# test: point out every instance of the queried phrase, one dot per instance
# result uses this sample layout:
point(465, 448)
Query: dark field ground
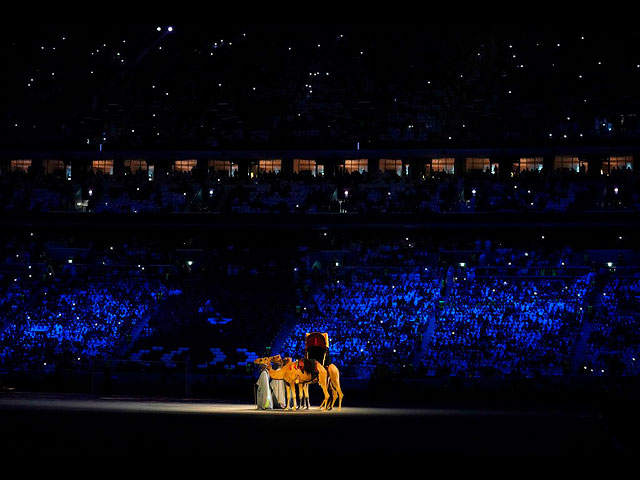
point(87, 425)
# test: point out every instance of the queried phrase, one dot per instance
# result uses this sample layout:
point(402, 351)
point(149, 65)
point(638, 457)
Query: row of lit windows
point(446, 165)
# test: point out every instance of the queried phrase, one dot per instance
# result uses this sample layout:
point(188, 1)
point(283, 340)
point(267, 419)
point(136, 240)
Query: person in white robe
point(277, 387)
point(264, 397)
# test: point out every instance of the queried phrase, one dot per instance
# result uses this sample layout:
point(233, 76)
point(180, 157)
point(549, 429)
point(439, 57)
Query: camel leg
point(291, 396)
point(322, 380)
point(340, 397)
point(306, 395)
point(288, 392)
point(299, 398)
point(301, 394)
point(333, 396)
point(334, 375)
point(295, 396)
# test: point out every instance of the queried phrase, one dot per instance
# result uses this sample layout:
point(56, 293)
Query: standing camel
point(289, 373)
point(292, 375)
point(326, 377)
point(333, 379)
point(303, 388)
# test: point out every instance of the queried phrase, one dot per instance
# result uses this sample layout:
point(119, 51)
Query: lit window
point(391, 165)
point(623, 163)
point(301, 165)
point(360, 165)
point(135, 165)
point(569, 162)
point(21, 165)
point(531, 163)
point(270, 166)
point(446, 165)
point(103, 166)
point(474, 163)
point(185, 165)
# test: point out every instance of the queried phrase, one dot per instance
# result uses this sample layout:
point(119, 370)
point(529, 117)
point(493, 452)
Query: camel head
point(276, 359)
point(262, 361)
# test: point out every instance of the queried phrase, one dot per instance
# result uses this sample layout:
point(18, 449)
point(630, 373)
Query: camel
point(303, 388)
point(289, 373)
point(292, 375)
point(334, 383)
point(333, 378)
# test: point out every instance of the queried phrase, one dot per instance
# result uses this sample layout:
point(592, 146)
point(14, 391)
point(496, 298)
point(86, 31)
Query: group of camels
point(292, 374)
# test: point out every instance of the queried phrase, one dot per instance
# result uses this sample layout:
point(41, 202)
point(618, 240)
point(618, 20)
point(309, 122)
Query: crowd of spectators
point(56, 313)
point(370, 318)
point(412, 301)
point(508, 325)
point(463, 307)
point(22, 192)
point(134, 193)
point(613, 348)
point(64, 324)
point(66, 302)
point(366, 193)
